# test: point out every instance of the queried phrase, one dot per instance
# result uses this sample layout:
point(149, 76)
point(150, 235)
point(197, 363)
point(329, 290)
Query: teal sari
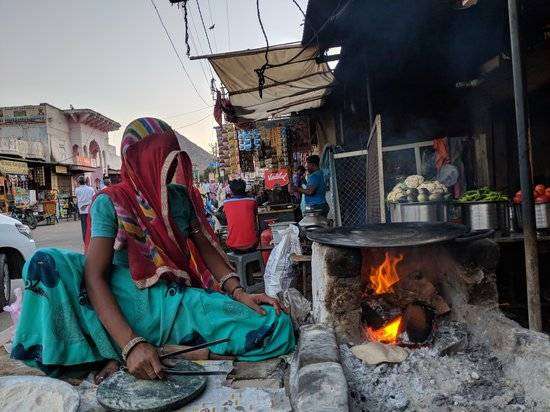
point(59, 329)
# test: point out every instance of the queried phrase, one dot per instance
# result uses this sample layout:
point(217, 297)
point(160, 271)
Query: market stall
point(14, 184)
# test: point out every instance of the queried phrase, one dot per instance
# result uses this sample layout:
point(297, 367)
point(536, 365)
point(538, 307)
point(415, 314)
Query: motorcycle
point(25, 215)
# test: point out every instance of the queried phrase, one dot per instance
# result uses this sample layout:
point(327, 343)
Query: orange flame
point(387, 334)
point(385, 276)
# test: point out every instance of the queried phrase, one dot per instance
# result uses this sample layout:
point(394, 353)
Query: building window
point(19, 113)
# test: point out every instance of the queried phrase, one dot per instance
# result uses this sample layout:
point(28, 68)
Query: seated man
point(240, 212)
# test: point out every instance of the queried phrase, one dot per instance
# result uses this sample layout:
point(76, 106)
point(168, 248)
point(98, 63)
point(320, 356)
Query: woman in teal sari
point(152, 276)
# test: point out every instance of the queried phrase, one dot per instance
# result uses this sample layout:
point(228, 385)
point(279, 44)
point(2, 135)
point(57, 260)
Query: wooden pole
point(526, 177)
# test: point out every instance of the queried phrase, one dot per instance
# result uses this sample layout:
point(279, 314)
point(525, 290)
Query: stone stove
point(464, 354)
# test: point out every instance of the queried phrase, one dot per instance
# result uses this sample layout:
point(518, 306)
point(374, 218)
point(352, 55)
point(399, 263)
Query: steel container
point(542, 216)
point(424, 212)
point(485, 216)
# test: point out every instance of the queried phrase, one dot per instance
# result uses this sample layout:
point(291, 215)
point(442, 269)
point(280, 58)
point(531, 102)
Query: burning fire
point(384, 276)
point(387, 334)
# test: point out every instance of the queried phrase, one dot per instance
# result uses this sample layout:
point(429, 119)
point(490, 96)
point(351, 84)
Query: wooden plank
point(300, 258)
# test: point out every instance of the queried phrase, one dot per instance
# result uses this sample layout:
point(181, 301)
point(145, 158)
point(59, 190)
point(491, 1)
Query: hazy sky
point(113, 55)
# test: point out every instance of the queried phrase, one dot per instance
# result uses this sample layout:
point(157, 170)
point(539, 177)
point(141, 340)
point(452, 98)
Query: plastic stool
point(241, 262)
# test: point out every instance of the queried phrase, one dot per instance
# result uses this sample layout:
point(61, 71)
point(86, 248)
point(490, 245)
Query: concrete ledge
point(322, 387)
point(317, 345)
point(317, 381)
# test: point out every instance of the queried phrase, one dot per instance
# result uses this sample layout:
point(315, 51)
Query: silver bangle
point(226, 278)
point(131, 345)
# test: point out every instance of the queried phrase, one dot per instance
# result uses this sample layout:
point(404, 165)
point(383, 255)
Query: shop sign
point(10, 167)
point(279, 177)
point(83, 161)
point(34, 114)
point(62, 170)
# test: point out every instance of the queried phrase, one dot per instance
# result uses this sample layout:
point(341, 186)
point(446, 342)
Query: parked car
point(16, 246)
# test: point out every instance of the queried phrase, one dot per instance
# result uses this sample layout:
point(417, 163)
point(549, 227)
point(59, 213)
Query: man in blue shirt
point(315, 190)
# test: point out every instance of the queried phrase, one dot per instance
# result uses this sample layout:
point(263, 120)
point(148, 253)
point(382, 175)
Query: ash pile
point(450, 375)
point(469, 356)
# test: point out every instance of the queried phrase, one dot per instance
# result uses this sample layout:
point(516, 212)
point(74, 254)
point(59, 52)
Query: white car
point(16, 246)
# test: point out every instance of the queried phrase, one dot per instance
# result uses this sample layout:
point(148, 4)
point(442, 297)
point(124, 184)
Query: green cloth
point(104, 218)
point(58, 328)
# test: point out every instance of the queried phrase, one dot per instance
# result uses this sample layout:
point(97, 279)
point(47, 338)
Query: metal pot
point(423, 212)
point(313, 220)
point(542, 216)
point(486, 215)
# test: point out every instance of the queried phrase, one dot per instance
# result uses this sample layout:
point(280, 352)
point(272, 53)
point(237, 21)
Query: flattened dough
point(34, 394)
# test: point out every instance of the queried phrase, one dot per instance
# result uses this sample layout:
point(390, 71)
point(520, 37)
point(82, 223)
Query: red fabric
point(241, 223)
point(441, 152)
point(154, 253)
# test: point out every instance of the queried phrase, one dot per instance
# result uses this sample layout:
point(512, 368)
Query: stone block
point(317, 345)
point(257, 383)
point(259, 370)
point(322, 387)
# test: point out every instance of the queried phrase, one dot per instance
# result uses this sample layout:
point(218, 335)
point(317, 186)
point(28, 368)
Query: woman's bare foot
point(109, 368)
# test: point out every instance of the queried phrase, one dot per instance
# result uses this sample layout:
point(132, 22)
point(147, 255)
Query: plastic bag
point(279, 272)
point(15, 308)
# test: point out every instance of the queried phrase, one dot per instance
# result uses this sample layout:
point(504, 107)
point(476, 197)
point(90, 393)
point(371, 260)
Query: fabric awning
point(299, 82)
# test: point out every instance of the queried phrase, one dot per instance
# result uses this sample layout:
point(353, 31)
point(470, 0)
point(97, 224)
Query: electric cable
point(204, 27)
point(228, 25)
point(190, 112)
point(194, 26)
point(202, 119)
point(212, 25)
point(177, 53)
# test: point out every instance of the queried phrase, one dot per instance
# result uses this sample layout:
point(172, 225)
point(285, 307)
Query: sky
point(113, 56)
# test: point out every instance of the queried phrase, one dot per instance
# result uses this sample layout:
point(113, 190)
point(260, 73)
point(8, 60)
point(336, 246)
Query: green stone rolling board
point(124, 392)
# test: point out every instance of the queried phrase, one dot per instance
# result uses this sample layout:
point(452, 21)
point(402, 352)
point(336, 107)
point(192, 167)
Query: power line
point(212, 25)
point(228, 26)
point(186, 113)
point(204, 27)
point(194, 26)
point(194, 123)
point(177, 53)
point(201, 63)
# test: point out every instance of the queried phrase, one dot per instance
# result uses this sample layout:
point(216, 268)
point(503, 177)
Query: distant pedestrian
point(84, 196)
point(106, 182)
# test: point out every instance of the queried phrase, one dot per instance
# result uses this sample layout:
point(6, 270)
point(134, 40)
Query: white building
point(61, 143)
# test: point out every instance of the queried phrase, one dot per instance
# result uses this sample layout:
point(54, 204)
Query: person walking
point(84, 196)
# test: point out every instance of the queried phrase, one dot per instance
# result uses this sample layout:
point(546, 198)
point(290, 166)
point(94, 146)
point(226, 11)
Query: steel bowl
point(419, 212)
point(542, 216)
point(485, 216)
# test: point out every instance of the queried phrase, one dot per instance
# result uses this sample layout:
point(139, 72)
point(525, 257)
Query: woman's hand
point(143, 362)
point(254, 301)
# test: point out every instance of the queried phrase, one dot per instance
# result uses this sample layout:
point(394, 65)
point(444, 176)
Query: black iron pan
point(390, 235)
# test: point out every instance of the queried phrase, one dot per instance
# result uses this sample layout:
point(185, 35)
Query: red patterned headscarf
point(152, 158)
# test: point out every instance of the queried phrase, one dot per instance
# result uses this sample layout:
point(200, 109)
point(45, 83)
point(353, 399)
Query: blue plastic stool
point(241, 262)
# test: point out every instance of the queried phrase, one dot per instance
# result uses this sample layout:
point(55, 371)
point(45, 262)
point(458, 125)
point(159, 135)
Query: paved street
point(65, 235)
